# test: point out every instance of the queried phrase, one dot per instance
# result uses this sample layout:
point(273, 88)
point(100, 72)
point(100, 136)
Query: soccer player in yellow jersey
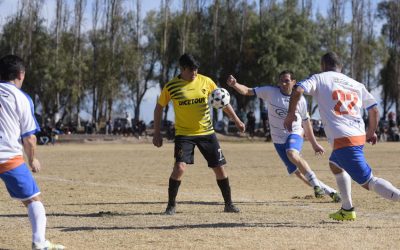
point(189, 93)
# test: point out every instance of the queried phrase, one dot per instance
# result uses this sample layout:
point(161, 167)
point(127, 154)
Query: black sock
point(173, 191)
point(225, 190)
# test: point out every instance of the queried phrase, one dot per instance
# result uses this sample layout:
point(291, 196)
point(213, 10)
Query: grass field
point(111, 196)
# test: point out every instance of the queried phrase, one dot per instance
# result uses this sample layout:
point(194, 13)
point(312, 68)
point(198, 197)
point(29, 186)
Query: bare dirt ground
point(111, 196)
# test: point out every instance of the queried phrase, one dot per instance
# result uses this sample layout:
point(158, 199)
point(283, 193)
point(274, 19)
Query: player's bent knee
point(29, 201)
point(335, 169)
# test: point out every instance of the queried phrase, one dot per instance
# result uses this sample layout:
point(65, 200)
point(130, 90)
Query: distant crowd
point(388, 128)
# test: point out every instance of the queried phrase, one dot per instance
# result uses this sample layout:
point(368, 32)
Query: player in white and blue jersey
point(17, 134)
point(289, 145)
point(341, 100)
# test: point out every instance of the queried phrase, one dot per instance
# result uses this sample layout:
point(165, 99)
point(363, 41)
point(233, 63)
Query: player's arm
point(308, 130)
point(157, 138)
point(373, 121)
point(29, 143)
point(240, 88)
point(294, 100)
point(232, 115)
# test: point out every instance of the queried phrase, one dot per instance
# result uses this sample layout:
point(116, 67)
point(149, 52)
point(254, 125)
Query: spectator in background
point(251, 123)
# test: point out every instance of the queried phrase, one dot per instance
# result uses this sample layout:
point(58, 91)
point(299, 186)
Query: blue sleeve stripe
point(30, 133)
point(32, 110)
point(299, 85)
point(254, 91)
point(373, 105)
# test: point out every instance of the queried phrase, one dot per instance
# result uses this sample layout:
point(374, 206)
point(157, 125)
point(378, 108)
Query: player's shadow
point(206, 203)
point(187, 226)
point(322, 224)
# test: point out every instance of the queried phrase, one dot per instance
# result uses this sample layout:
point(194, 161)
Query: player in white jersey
point(340, 101)
point(17, 134)
point(289, 145)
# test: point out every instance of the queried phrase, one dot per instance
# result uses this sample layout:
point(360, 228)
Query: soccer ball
point(220, 98)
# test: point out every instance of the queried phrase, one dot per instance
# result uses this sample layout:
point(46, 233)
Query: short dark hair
point(289, 72)
point(331, 60)
point(10, 67)
point(188, 61)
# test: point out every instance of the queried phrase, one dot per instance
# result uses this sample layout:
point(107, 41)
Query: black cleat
point(170, 210)
point(230, 208)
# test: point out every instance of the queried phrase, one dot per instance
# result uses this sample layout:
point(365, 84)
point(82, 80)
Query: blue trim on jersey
point(373, 105)
point(353, 161)
point(283, 93)
point(300, 85)
point(30, 133)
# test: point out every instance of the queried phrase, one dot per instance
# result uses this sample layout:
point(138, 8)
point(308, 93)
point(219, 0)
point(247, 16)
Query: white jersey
point(16, 122)
point(340, 101)
point(277, 106)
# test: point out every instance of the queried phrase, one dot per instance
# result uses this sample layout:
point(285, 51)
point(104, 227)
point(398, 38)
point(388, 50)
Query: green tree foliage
point(123, 54)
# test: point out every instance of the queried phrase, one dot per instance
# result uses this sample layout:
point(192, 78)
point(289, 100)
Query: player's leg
point(22, 186)
point(184, 154)
point(210, 149)
point(293, 146)
point(383, 187)
point(343, 181)
point(302, 177)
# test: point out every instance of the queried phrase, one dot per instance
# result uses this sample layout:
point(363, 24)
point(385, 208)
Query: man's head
point(287, 81)
point(331, 62)
point(12, 69)
point(188, 66)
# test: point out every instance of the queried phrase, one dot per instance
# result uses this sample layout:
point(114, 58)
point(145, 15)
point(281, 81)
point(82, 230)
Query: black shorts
point(207, 144)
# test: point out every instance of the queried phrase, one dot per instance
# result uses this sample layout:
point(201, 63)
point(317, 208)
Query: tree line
point(126, 51)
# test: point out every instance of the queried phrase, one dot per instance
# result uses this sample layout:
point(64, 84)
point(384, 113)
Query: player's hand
point(157, 140)
point(372, 138)
point(240, 126)
point(35, 165)
point(318, 149)
point(231, 81)
point(287, 123)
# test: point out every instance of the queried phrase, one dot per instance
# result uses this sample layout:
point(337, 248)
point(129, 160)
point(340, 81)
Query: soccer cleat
point(335, 197)
point(170, 210)
point(47, 245)
point(318, 192)
point(343, 215)
point(230, 208)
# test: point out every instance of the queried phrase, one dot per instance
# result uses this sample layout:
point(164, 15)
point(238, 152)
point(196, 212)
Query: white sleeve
point(28, 122)
point(309, 84)
point(368, 101)
point(262, 92)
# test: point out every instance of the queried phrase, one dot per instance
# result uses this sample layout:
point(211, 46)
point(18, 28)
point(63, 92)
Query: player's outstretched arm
point(294, 100)
point(240, 88)
point(232, 115)
point(318, 149)
point(29, 144)
point(373, 121)
point(157, 138)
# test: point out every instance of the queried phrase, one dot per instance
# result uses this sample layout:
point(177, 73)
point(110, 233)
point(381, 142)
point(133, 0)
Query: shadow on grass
point(322, 224)
point(185, 226)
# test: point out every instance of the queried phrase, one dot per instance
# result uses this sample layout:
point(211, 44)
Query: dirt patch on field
point(101, 196)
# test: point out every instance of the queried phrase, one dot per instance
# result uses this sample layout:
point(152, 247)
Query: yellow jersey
point(190, 101)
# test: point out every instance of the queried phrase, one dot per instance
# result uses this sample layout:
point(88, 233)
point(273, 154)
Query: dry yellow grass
point(111, 196)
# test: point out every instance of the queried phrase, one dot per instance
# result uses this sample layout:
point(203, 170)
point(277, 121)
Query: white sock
point(312, 178)
point(343, 181)
point(37, 217)
point(327, 189)
point(384, 188)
